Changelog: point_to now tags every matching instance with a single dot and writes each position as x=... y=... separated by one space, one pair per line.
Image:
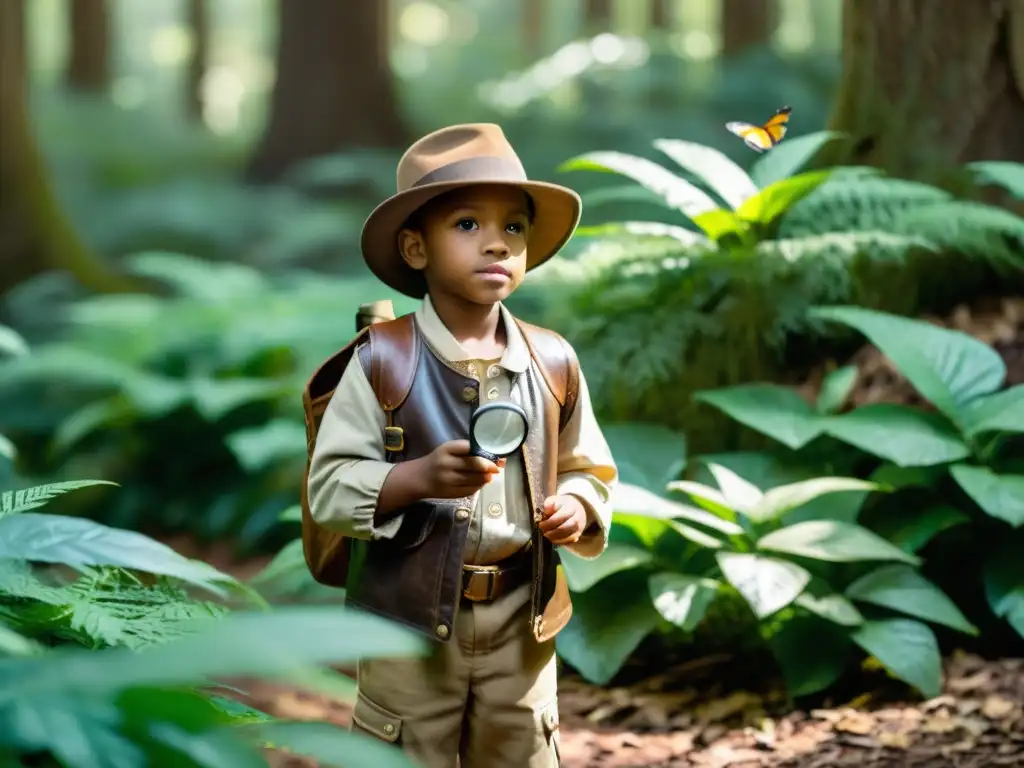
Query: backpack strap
x=558 y=364
x=389 y=361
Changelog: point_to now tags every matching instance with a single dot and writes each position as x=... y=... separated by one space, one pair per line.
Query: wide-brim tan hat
x=453 y=157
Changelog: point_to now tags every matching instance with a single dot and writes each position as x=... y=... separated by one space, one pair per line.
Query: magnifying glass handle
x=476 y=450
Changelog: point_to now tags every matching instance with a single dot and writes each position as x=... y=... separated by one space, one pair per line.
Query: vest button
x=492 y=393
x=494 y=510
x=461 y=513
x=442 y=631
x=469 y=394
x=389 y=729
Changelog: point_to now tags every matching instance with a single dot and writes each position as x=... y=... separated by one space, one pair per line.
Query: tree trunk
x=334 y=88
x=661 y=15
x=746 y=24
x=198 y=21
x=929 y=86
x=533 y=29
x=88 y=63
x=34 y=234
x=597 y=16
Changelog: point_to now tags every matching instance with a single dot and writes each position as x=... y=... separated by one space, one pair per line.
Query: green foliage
x=112 y=667
x=715 y=293
x=190 y=401
x=956 y=466
x=863 y=590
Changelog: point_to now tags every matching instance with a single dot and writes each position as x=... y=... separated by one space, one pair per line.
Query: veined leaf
x=709 y=498
x=906 y=436
x=727 y=179
x=947 y=367
x=681 y=599
x=835 y=388
x=581 y=574
x=11 y=342
x=835 y=608
x=681 y=235
x=648 y=455
x=1009 y=176
x=832 y=541
x=719 y=223
x=633 y=499
x=766 y=583
x=998 y=412
x=907 y=648
x=776 y=199
x=1001 y=496
x=16 y=502
x=772 y=410
x=1003 y=577
x=903 y=589
x=739 y=494
x=677 y=192
x=789 y=157
x=910 y=528
x=778 y=501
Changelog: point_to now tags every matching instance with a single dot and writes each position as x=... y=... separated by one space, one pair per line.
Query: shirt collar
x=516 y=357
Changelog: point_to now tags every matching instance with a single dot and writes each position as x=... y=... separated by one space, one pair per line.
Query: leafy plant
x=800 y=580
x=956 y=463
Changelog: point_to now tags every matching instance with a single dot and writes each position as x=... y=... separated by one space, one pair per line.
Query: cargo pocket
x=371 y=718
x=549 y=727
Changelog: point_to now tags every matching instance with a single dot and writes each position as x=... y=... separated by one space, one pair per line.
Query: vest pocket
x=371 y=718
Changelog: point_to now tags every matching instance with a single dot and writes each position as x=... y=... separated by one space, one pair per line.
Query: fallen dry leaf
x=997 y=707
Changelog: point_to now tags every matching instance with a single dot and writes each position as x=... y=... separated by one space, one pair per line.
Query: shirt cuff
x=353 y=510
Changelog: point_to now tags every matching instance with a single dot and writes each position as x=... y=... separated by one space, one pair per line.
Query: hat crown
x=451 y=145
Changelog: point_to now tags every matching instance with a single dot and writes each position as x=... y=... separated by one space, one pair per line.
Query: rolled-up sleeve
x=348 y=466
x=587 y=471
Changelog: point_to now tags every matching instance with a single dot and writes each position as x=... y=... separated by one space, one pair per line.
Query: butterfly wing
x=754 y=136
x=776 y=126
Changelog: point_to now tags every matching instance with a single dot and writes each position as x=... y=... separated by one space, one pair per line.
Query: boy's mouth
x=495 y=269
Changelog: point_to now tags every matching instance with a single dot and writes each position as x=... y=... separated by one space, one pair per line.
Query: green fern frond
x=1009 y=176
x=862 y=203
x=969 y=228
x=13 y=502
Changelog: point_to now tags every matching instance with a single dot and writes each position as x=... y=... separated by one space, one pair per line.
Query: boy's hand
x=449 y=472
x=565 y=519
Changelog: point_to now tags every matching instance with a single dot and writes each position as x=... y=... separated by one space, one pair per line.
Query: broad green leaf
x=78 y=542
x=911 y=527
x=582 y=574
x=607 y=625
x=812 y=654
x=775 y=200
x=835 y=608
x=11 y=342
x=647 y=455
x=709 y=498
x=677 y=192
x=902 y=589
x=835 y=388
x=620 y=193
x=642 y=530
x=998 y=412
x=778 y=501
x=696 y=535
x=90 y=418
x=292 y=514
x=789 y=157
x=17 y=502
x=728 y=180
x=7 y=449
x=634 y=500
x=1009 y=176
x=205 y=750
x=13 y=644
x=614 y=229
x=903 y=435
x=907 y=648
x=897 y=477
x=772 y=410
x=832 y=541
x=215 y=398
x=681 y=599
x=1001 y=496
x=328 y=743
x=740 y=494
x=767 y=584
x=1003 y=579
x=949 y=368
x=272 y=644
x=256 y=448
x=720 y=223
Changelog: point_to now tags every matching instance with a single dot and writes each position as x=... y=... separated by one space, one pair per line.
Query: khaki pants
x=485 y=699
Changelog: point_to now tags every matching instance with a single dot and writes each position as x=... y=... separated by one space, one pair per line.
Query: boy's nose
x=497 y=247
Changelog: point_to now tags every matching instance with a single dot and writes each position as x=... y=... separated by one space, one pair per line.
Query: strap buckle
x=479 y=582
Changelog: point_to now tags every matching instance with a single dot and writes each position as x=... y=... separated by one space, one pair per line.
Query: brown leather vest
x=415 y=578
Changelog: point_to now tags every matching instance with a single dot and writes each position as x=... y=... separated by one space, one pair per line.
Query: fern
x=13 y=502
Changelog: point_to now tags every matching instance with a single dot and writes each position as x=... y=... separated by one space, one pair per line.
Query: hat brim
x=556 y=216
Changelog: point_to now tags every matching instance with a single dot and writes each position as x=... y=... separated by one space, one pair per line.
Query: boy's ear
x=412 y=248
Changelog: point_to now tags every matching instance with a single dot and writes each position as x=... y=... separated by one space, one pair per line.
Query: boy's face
x=471 y=245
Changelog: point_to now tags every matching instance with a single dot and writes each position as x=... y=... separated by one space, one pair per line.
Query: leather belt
x=483 y=583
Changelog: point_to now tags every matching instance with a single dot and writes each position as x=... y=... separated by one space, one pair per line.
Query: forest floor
x=702 y=714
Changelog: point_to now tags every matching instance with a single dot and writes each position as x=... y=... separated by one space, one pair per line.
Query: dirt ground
x=681 y=718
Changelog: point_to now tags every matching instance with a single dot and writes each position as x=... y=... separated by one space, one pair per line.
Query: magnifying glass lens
x=497 y=430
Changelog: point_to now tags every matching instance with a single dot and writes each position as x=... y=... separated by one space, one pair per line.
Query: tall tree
x=597 y=16
x=927 y=86
x=88 y=63
x=533 y=29
x=34 y=234
x=746 y=24
x=334 y=88
x=198 y=21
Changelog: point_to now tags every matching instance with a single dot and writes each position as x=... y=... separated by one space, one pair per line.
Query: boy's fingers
x=555 y=520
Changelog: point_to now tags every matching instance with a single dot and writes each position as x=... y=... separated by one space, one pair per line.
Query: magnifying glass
x=496 y=430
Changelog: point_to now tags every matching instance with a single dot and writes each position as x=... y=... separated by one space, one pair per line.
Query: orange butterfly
x=761 y=138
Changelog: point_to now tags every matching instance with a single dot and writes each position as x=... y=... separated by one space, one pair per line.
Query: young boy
x=454 y=545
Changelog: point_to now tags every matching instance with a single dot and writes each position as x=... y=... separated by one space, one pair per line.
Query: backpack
x=327 y=552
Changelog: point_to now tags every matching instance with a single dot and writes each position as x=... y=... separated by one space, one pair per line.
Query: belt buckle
x=480 y=582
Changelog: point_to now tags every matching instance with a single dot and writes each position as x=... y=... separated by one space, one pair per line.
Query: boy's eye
x=516 y=229
x=465 y=225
